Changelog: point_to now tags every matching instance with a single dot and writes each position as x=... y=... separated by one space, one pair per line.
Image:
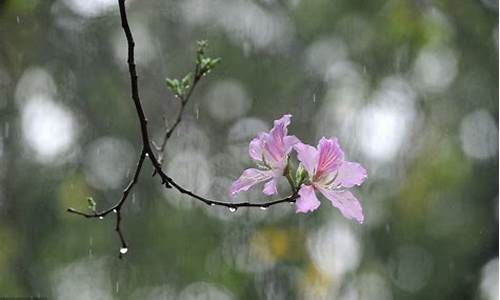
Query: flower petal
x=270 y=188
x=330 y=156
x=350 y=174
x=290 y=141
x=307 y=200
x=308 y=156
x=274 y=143
x=255 y=149
x=249 y=178
x=348 y=205
x=279 y=131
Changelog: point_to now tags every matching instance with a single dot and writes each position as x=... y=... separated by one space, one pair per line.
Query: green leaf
x=170 y=84
x=200 y=53
x=202 y=44
x=207 y=64
x=214 y=62
x=91 y=203
x=186 y=81
x=174 y=86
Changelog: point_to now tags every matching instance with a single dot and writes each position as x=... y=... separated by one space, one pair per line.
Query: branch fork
x=203 y=66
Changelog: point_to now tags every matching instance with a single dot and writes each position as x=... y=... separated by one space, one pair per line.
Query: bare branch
x=147 y=148
x=184 y=101
x=116 y=209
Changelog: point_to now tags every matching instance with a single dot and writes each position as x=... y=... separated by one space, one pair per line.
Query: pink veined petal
x=270 y=188
x=279 y=131
x=348 y=205
x=275 y=144
x=308 y=156
x=255 y=149
x=272 y=153
x=350 y=174
x=330 y=156
x=307 y=200
x=249 y=178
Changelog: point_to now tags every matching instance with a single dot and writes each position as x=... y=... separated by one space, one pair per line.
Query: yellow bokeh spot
x=316 y=281
x=276 y=244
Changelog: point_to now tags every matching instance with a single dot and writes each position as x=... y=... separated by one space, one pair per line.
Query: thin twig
x=117 y=208
x=144 y=130
x=125 y=194
x=147 y=149
x=184 y=101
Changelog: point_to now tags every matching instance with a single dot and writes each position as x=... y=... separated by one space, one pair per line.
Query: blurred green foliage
x=437 y=197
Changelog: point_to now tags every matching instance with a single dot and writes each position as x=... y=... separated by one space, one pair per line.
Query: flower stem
x=290 y=181
x=288 y=174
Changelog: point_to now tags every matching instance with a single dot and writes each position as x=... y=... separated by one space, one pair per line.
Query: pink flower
x=331 y=175
x=270 y=152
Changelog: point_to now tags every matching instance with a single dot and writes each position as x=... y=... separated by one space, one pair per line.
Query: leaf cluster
x=204 y=65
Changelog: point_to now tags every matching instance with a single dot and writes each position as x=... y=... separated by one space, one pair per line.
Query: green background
x=409 y=87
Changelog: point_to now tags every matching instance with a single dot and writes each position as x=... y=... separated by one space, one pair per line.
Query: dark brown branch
x=144 y=130
x=147 y=149
x=117 y=208
x=211 y=202
x=125 y=194
x=133 y=77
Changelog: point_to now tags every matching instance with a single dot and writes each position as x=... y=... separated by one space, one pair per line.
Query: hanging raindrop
x=263 y=207
x=232 y=209
x=123 y=250
x=101 y=218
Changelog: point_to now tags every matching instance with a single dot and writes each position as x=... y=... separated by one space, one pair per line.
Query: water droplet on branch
x=123 y=250
x=232 y=209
